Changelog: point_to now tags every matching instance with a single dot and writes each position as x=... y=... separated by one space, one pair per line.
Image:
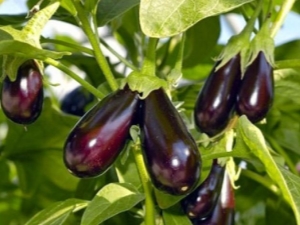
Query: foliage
x=173 y=39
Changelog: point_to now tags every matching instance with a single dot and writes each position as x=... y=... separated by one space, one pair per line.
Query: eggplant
x=223 y=212
x=201 y=202
x=100 y=135
x=22 y=99
x=215 y=103
x=256 y=93
x=170 y=153
x=75 y=101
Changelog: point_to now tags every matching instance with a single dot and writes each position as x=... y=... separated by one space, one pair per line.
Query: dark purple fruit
x=256 y=94
x=201 y=202
x=22 y=99
x=171 y=154
x=75 y=101
x=101 y=134
x=215 y=103
x=223 y=213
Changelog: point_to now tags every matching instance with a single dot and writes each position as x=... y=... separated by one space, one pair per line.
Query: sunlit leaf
x=170 y=17
x=111 y=200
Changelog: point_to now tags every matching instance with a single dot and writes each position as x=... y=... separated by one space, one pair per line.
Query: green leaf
x=144 y=83
x=111 y=200
x=37 y=153
x=18 y=52
x=170 y=17
x=69 y=7
x=175 y=216
x=200 y=41
x=27 y=51
x=57 y=213
x=110 y=9
x=254 y=139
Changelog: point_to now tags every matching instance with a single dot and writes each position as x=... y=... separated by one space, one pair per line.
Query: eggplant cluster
x=170 y=153
x=226 y=92
x=212 y=203
x=22 y=99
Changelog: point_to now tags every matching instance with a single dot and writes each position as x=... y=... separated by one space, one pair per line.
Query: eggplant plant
x=173 y=121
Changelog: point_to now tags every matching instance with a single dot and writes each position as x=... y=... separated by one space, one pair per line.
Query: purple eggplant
x=215 y=103
x=256 y=93
x=201 y=202
x=171 y=154
x=22 y=99
x=100 y=135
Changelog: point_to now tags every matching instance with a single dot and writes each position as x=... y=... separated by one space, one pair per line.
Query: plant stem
x=284 y=10
x=146 y=183
x=122 y=59
x=84 y=83
x=262 y=180
x=149 y=67
x=68 y=44
x=250 y=24
x=94 y=40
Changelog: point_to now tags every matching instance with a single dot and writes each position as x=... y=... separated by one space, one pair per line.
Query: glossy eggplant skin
x=201 y=202
x=75 y=101
x=223 y=212
x=100 y=135
x=256 y=94
x=215 y=102
x=22 y=99
x=170 y=153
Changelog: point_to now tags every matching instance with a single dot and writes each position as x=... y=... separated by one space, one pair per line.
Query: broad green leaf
x=28 y=51
x=200 y=42
x=170 y=17
x=57 y=213
x=12 y=19
x=37 y=153
x=254 y=139
x=175 y=216
x=110 y=9
x=111 y=200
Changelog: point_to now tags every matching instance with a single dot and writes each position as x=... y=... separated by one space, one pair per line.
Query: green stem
x=281 y=151
x=147 y=186
x=284 y=10
x=149 y=66
x=84 y=83
x=122 y=59
x=68 y=44
x=250 y=24
x=88 y=50
x=262 y=180
x=94 y=40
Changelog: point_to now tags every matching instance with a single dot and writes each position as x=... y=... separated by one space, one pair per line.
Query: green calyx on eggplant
x=170 y=153
x=75 y=101
x=223 y=212
x=100 y=135
x=201 y=202
x=22 y=99
x=215 y=102
x=256 y=93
